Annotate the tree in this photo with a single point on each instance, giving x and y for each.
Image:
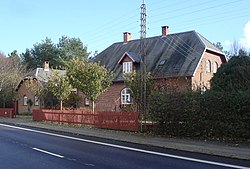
(218, 45)
(16, 60)
(56, 54)
(45, 51)
(59, 86)
(233, 76)
(41, 52)
(134, 83)
(35, 86)
(11, 72)
(70, 48)
(90, 78)
(27, 59)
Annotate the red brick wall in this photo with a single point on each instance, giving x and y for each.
(22, 91)
(201, 76)
(110, 100)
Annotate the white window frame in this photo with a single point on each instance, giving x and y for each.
(215, 66)
(203, 89)
(127, 67)
(25, 100)
(126, 96)
(208, 66)
(36, 100)
(86, 101)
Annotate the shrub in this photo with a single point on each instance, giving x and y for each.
(211, 115)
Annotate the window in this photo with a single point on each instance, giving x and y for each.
(203, 90)
(36, 101)
(127, 67)
(25, 100)
(74, 90)
(208, 66)
(215, 67)
(125, 96)
(86, 101)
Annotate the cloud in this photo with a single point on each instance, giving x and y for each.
(245, 41)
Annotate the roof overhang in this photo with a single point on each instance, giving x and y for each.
(129, 55)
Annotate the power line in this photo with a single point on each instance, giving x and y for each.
(178, 29)
(219, 20)
(205, 18)
(181, 9)
(203, 9)
(169, 5)
(198, 22)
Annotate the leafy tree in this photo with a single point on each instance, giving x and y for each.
(233, 76)
(135, 83)
(35, 86)
(28, 60)
(16, 60)
(59, 86)
(218, 45)
(70, 48)
(90, 78)
(45, 51)
(11, 72)
(56, 54)
(41, 52)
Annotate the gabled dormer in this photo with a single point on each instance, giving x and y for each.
(129, 61)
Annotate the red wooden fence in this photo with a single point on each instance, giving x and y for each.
(110, 120)
(7, 112)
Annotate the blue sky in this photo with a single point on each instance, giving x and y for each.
(100, 23)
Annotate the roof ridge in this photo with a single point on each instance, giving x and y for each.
(210, 43)
(157, 36)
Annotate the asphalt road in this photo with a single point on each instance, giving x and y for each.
(22, 148)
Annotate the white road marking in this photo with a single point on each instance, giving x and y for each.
(129, 148)
(91, 165)
(47, 152)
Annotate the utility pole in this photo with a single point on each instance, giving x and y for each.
(143, 63)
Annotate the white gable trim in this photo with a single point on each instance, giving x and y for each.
(203, 53)
(126, 53)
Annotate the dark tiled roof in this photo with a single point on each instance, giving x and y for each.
(134, 56)
(209, 45)
(41, 75)
(166, 56)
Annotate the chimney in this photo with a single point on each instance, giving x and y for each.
(127, 37)
(165, 30)
(46, 66)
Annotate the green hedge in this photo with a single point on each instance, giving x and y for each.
(210, 115)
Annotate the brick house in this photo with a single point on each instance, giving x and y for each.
(26, 95)
(180, 62)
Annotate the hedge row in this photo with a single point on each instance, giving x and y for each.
(210, 115)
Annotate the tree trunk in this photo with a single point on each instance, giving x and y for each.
(61, 104)
(93, 106)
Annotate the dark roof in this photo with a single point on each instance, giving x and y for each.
(209, 45)
(133, 56)
(167, 56)
(41, 75)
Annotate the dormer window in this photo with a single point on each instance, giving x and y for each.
(129, 61)
(127, 67)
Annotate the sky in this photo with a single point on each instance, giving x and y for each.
(100, 23)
